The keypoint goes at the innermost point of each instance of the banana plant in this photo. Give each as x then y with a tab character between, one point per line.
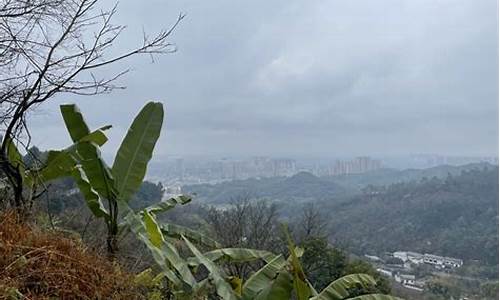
116	185
279	278
59	163
97	181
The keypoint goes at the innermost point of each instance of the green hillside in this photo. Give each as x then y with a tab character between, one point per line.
455	216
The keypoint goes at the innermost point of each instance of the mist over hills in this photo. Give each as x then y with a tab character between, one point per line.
301	186
389	176
306	186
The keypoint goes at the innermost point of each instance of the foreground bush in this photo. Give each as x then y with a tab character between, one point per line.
36	264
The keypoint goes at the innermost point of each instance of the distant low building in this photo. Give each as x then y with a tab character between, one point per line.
385	272
373	257
408	256
442	261
417	285
436	260
405	278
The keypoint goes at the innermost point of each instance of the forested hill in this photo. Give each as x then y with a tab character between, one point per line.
305	186
302	186
390	176
451	211
454	216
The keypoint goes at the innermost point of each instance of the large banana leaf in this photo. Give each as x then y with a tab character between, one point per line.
339	289
153	229
136	150
78	128
261	279
86	151
97	136
63	163
74	121
168	204
236	255
175	231
375	297
278	288
300	284
90	195
13	154
15	158
58	164
97	171
136	225
164	253
223	288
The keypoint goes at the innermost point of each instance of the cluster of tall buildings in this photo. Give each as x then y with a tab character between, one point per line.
192	171
257	167
358	165
211	171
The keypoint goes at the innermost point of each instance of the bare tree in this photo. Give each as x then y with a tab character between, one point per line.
246	224
49	47
312	223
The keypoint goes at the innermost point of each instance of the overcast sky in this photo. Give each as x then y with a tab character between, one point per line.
324	78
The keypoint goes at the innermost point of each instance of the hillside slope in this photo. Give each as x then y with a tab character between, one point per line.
456	216
390	176
302	186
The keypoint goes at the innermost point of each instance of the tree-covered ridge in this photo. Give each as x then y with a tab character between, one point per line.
454	216
301	186
390	176
446	210
306	186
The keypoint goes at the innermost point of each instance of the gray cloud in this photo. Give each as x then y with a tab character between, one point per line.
310	77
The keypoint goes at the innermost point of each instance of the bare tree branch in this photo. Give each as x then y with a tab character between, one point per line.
48	47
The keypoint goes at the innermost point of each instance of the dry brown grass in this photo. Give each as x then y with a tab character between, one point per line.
46	265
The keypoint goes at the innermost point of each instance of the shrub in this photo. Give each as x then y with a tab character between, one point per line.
41	264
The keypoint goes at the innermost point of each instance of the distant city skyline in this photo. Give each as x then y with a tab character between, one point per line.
178	171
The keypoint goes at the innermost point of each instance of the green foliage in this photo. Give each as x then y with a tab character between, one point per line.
340	288
441	288
300	187
237	255
278	279
456	216
176	231
324	264
489	290
321	262
262	280
300	284
115	184
358	266
147	194
132	158
224	289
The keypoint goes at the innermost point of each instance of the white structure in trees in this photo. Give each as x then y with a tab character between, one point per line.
435	260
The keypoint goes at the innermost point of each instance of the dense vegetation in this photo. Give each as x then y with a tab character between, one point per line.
300	187
456	216
178	269
74	227
453	213
305	186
